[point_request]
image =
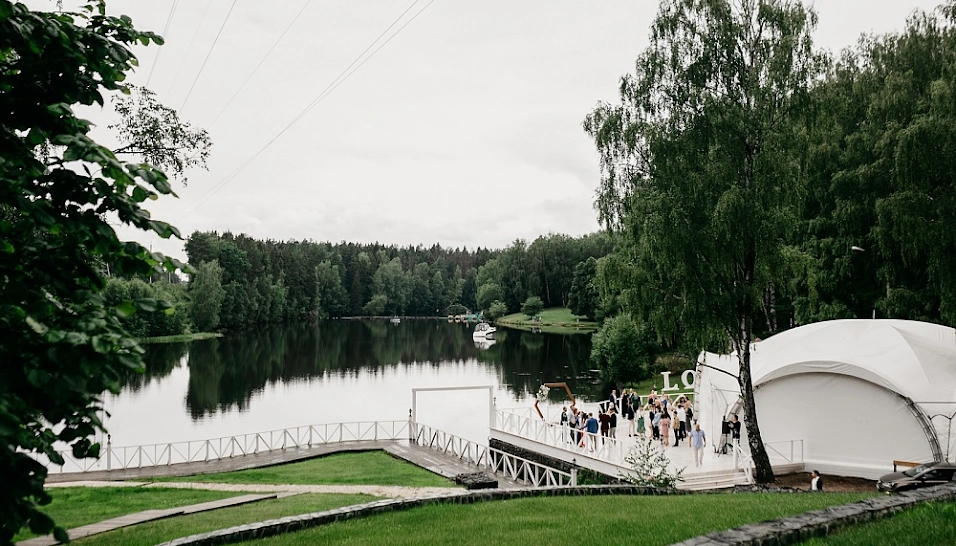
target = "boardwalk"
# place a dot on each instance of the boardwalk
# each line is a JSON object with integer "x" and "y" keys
{"x": 239, "y": 462}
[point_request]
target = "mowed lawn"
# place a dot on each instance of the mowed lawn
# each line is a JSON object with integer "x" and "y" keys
{"x": 932, "y": 524}
{"x": 603, "y": 520}
{"x": 155, "y": 532}
{"x": 77, "y": 506}
{"x": 351, "y": 468}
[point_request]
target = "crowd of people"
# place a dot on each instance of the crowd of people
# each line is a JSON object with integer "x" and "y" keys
{"x": 656, "y": 415}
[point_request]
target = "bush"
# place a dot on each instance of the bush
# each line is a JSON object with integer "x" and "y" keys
{"x": 497, "y": 310}
{"x": 623, "y": 350}
{"x": 532, "y": 306}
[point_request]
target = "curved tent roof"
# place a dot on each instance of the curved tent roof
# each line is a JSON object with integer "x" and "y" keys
{"x": 916, "y": 360}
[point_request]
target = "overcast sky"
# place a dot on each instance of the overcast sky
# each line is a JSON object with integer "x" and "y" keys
{"x": 464, "y": 129}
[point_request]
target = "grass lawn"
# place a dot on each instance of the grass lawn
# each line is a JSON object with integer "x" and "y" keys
{"x": 154, "y": 532}
{"x": 181, "y": 338}
{"x": 350, "y": 468}
{"x": 926, "y": 525}
{"x": 644, "y": 520}
{"x": 76, "y": 506}
{"x": 557, "y": 320}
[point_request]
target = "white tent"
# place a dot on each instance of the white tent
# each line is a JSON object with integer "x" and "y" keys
{"x": 854, "y": 394}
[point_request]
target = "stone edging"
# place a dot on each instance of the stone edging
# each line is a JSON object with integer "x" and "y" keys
{"x": 297, "y": 523}
{"x": 796, "y": 529}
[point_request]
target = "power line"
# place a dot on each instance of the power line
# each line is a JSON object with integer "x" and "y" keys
{"x": 169, "y": 20}
{"x": 344, "y": 75}
{"x": 190, "y": 47}
{"x": 256, "y": 69}
{"x": 208, "y": 54}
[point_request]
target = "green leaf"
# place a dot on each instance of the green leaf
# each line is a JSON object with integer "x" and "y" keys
{"x": 125, "y": 309}
{"x": 36, "y": 326}
{"x": 61, "y": 535}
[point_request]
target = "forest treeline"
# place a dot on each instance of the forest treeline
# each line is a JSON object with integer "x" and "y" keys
{"x": 240, "y": 281}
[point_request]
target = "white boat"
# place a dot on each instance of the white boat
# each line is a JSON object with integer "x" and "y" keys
{"x": 395, "y": 320}
{"x": 483, "y": 343}
{"x": 483, "y": 330}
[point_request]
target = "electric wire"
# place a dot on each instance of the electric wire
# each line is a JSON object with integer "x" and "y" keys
{"x": 261, "y": 61}
{"x": 208, "y": 54}
{"x": 344, "y": 75}
{"x": 159, "y": 51}
{"x": 189, "y": 48}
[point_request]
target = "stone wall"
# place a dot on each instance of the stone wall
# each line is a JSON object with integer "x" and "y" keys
{"x": 801, "y": 527}
{"x": 297, "y": 523}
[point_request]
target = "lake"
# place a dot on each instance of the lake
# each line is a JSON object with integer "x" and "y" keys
{"x": 341, "y": 371}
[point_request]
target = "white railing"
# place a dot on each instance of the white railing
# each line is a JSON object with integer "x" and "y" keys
{"x": 743, "y": 461}
{"x": 153, "y": 455}
{"x": 583, "y": 444}
{"x": 793, "y": 447}
{"x": 494, "y": 460}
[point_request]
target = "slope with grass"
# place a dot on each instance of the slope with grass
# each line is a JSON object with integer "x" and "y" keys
{"x": 349, "y": 468}
{"x": 645, "y": 520}
{"x": 925, "y": 525}
{"x": 557, "y": 320}
{"x": 77, "y": 506}
{"x": 154, "y": 532}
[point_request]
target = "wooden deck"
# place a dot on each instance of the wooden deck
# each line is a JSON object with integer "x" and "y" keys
{"x": 442, "y": 464}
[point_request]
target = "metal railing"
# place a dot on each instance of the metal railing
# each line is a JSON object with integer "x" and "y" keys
{"x": 795, "y": 450}
{"x": 153, "y": 455}
{"x": 493, "y": 460}
{"x": 583, "y": 444}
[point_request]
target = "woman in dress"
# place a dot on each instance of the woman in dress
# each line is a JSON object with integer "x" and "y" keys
{"x": 665, "y": 427}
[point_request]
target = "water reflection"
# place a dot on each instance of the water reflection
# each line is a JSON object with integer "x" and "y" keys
{"x": 226, "y": 373}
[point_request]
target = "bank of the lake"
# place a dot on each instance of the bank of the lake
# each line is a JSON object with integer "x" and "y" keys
{"x": 557, "y": 320}
{"x": 181, "y": 338}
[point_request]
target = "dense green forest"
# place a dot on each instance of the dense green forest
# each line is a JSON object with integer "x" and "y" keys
{"x": 239, "y": 281}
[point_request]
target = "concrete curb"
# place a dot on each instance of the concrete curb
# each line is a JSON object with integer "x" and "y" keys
{"x": 818, "y": 523}
{"x": 297, "y": 523}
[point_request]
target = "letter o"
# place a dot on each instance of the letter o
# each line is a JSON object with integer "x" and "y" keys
{"x": 684, "y": 377}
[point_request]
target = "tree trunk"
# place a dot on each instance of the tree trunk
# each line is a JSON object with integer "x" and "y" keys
{"x": 757, "y": 450}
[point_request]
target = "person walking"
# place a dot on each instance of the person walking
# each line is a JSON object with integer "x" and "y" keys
{"x": 629, "y": 415}
{"x": 697, "y": 442}
{"x": 816, "y": 482}
{"x": 613, "y": 430}
{"x": 592, "y": 429}
{"x": 681, "y": 428}
{"x": 640, "y": 420}
{"x": 665, "y": 428}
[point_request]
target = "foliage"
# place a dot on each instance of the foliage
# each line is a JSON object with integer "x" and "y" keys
{"x": 650, "y": 466}
{"x": 532, "y": 306}
{"x": 331, "y": 299}
{"x": 702, "y": 169}
{"x": 58, "y": 188}
{"x": 154, "y": 132}
{"x": 207, "y": 296}
{"x": 584, "y": 298}
{"x": 487, "y": 294}
{"x": 173, "y": 320}
{"x": 497, "y": 309}
{"x": 623, "y": 349}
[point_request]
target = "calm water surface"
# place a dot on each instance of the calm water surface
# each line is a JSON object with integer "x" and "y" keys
{"x": 340, "y": 371}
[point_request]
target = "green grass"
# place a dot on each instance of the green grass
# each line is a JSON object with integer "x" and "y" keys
{"x": 644, "y": 520}
{"x": 352, "y": 468}
{"x": 925, "y": 525}
{"x": 557, "y": 320}
{"x": 154, "y": 532}
{"x": 180, "y": 338}
{"x": 76, "y": 506}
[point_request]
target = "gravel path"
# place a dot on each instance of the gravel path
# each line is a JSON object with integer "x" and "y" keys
{"x": 387, "y": 491}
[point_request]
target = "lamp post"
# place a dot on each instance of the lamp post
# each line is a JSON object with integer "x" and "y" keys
{"x": 855, "y": 248}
